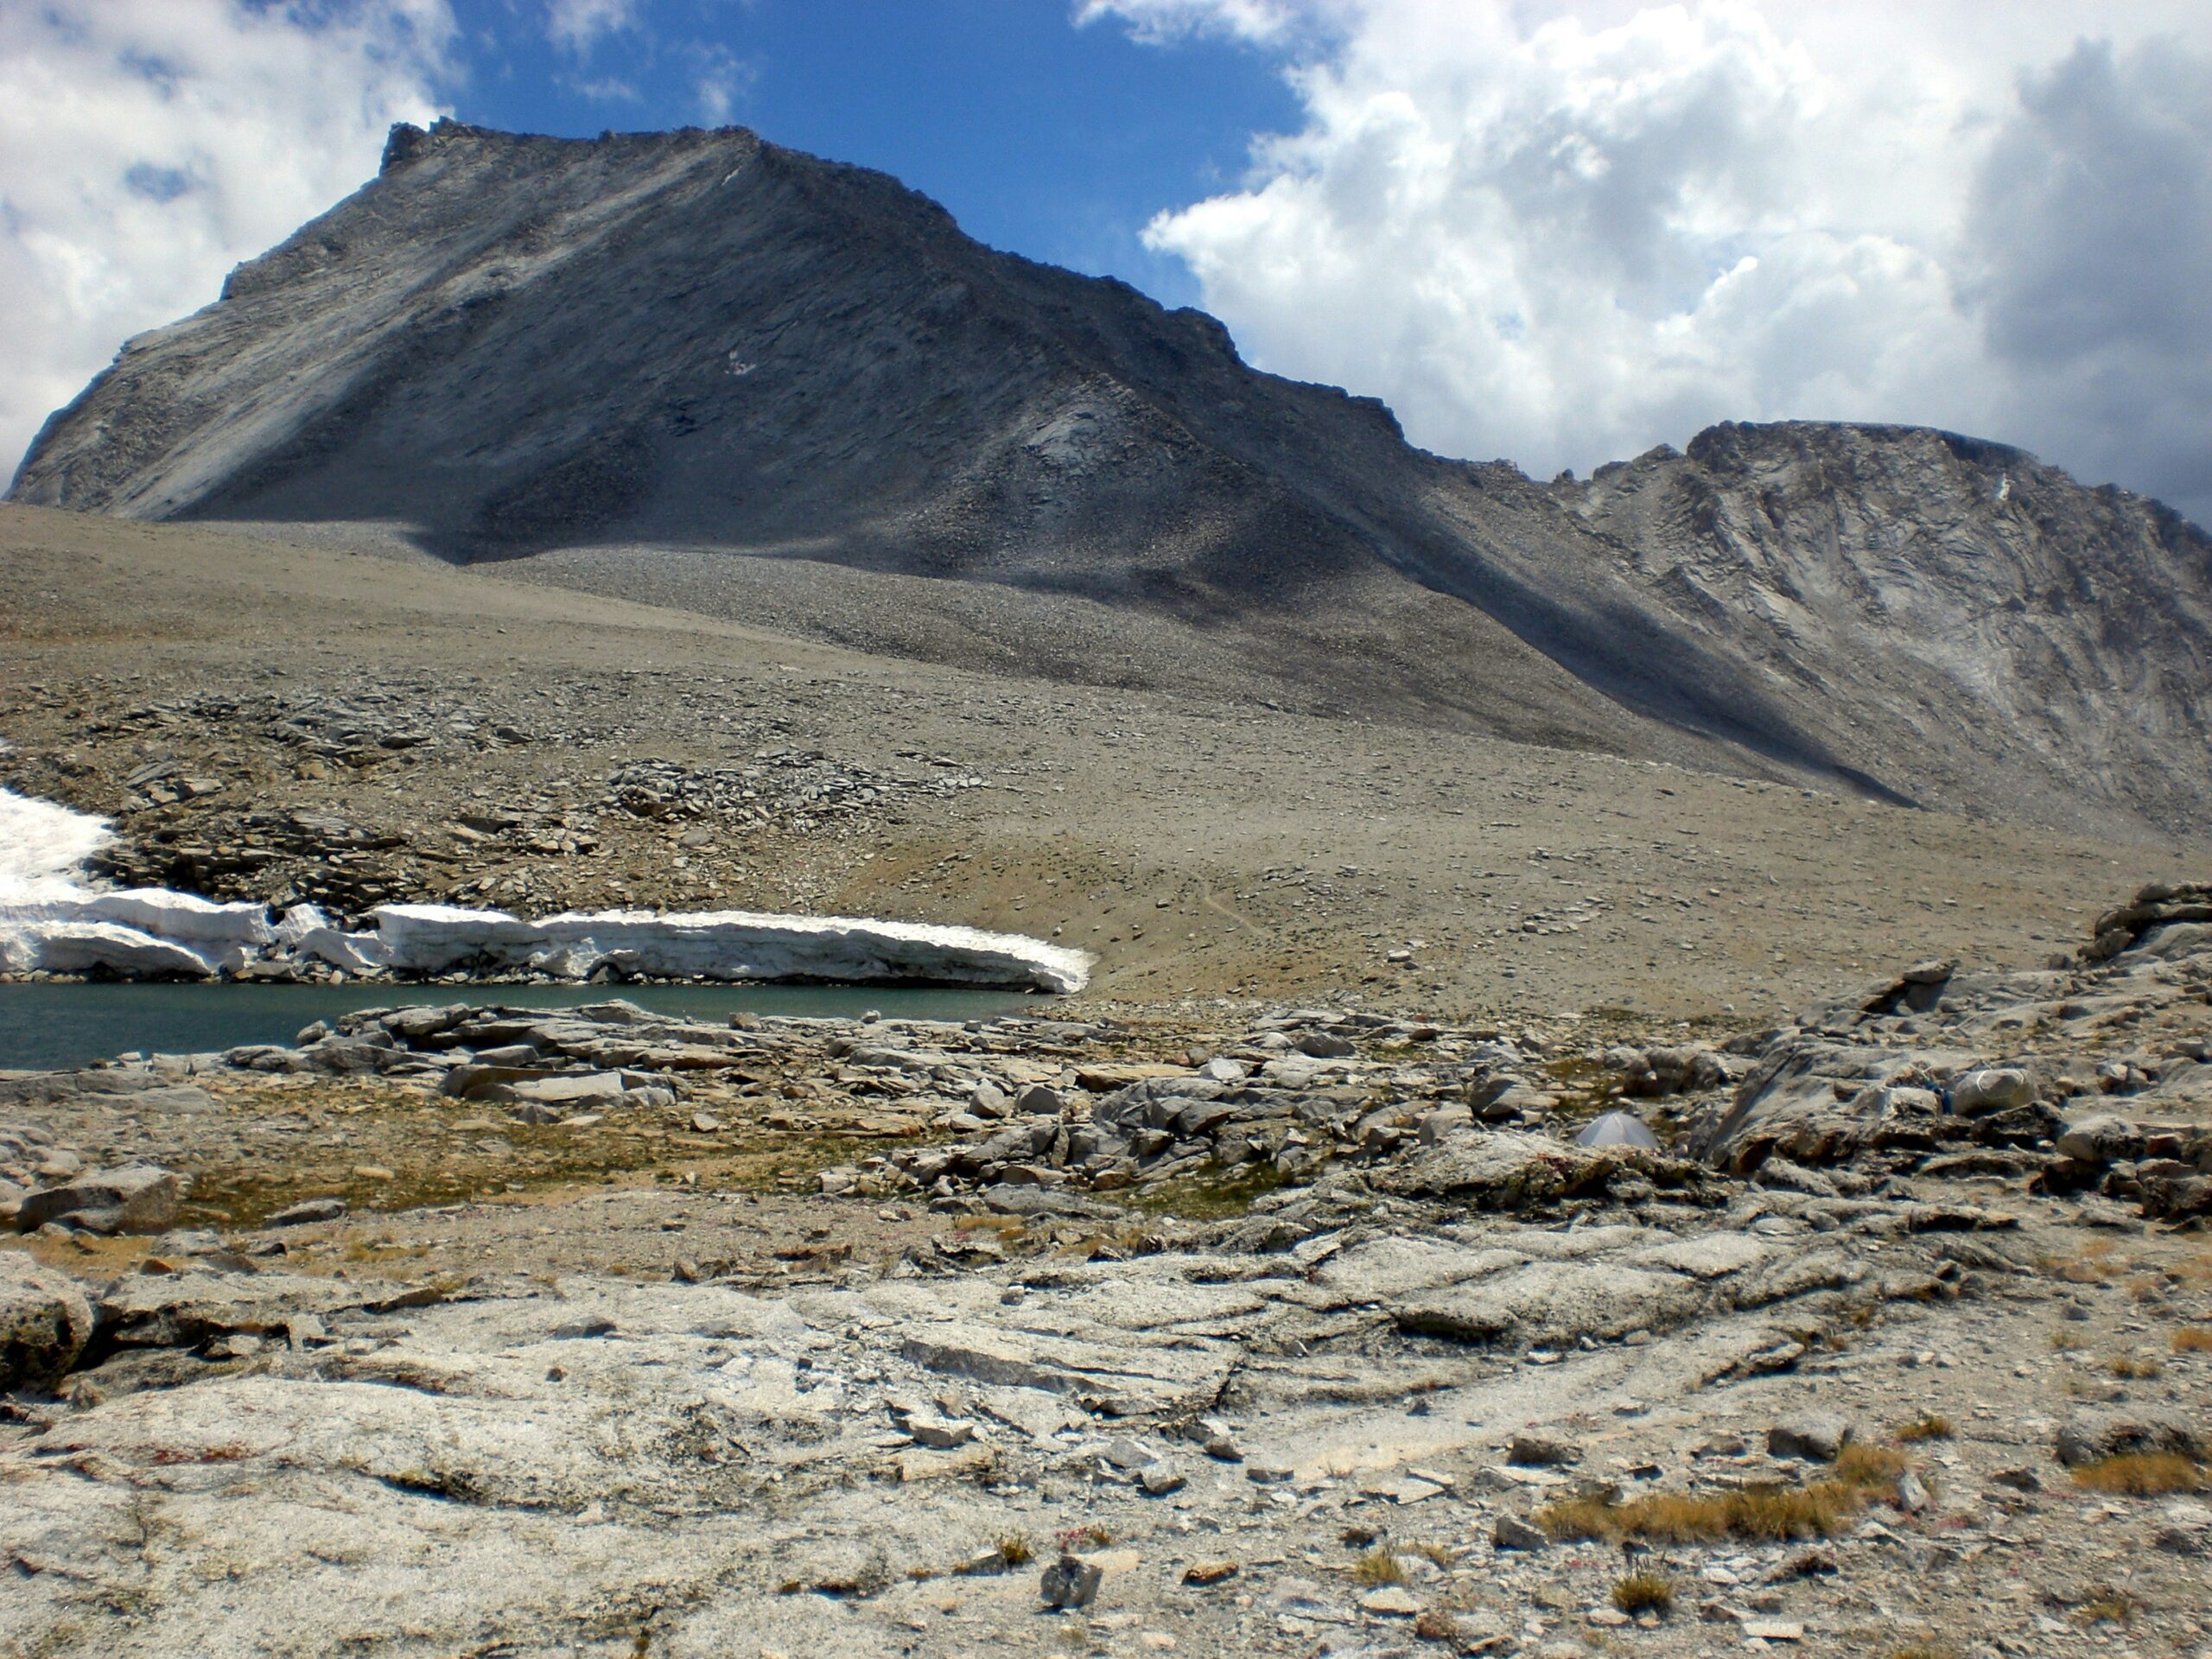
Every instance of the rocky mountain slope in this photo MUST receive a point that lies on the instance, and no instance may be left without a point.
(702, 370)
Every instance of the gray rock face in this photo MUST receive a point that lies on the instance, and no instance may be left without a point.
(606, 353)
(1551, 1302)
(1511, 1532)
(1998, 1073)
(564, 1444)
(135, 1198)
(1819, 1436)
(45, 1321)
(1973, 561)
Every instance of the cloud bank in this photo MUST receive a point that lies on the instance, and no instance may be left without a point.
(1562, 234)
(146, 146)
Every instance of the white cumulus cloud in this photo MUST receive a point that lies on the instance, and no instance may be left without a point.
(147, 146)
(1562, 233)
(577, 25)
(1168, 20)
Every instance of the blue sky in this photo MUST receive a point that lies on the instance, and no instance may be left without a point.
(1048, 139)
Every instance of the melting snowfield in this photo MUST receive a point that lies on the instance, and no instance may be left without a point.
(50, 920)
(43, 848)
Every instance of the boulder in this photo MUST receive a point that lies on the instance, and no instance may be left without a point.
(2173, 1192)
(1437, 1126)
(1511, 1532)
(473, 1081)
(1541, 1451)
(2159, 905)
(1617, 1129)
(1818, 1102)
(45, 1321)
(133, 1199)
(1992, 1089)
(2091, 1436)
(307, 1211)
(577, 1089)
(1816, 1436)
(204, 1302)
(1498, 1169)
(1069, 1582)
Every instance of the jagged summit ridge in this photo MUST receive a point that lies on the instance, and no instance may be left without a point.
(655, 364)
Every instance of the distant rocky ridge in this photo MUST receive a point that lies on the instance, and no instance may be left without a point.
(698, 369)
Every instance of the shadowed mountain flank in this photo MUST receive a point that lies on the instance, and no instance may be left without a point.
(698, 369)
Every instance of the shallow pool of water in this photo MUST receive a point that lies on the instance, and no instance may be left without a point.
(46, 1025)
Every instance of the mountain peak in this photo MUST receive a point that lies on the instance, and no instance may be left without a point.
(646, 362)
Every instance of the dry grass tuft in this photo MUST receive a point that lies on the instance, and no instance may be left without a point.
(1925, 1650)
(1435, 1624)
(1644, 1592)
(2193, 1339)
(2144, 1474)
(2107, 1605)
(1861, 1465)
(1931, 1427)
(2134, 1366)
(1767, 1513)
(1015, 1549)
(1378, 1568)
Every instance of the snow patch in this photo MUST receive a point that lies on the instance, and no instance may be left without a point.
(43, 848)
(49, 919)
(722, 944)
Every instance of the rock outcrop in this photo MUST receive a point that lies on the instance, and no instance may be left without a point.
(2094, 1073)
(45, 1321)
(1351, 1340)
(699, 369)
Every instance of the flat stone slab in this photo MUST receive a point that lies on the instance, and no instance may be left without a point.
(1123, 1377)
(1384, 1269)
(1551, 1302)
(1709, 1255)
